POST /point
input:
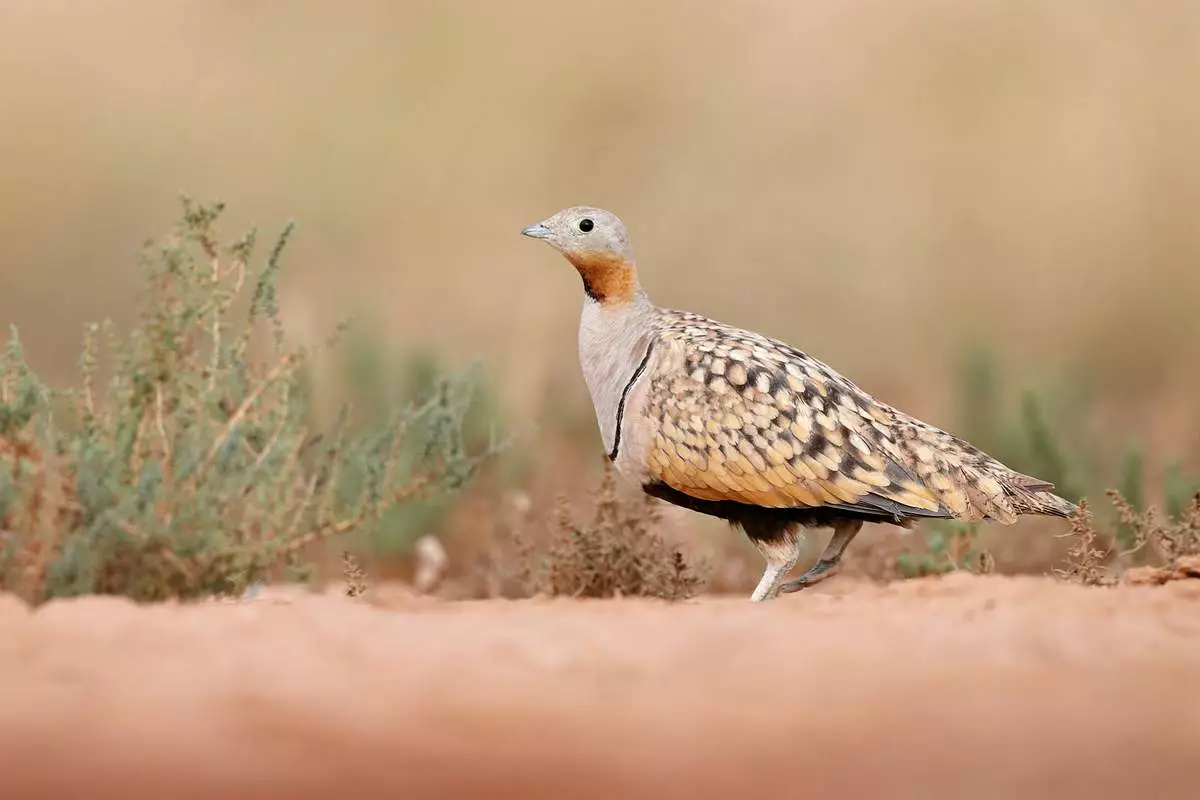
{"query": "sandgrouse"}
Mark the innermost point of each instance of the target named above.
(733, 424)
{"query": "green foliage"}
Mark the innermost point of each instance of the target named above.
(1179, 489)
(201, 466)
(1046, 436)
(1132, 488)
(950, 546)
(374, 378)
(1046, 433)
(1046, 452)
(1049, 438)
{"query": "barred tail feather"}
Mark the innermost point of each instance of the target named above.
(1043, 503)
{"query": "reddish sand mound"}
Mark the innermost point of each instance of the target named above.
(962, 687)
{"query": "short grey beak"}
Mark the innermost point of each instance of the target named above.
(538, 231)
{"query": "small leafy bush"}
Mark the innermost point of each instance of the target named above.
(375, 376)
(949, 547)
(190, 461)
(619, 552)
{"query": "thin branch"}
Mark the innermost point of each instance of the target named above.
(216, 327)
(303, 505)
(240, 414)
(410, 490)
(162, 428)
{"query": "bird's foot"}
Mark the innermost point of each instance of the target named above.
(820, 571)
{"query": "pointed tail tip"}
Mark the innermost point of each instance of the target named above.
(1061, 505)
(1046, 504)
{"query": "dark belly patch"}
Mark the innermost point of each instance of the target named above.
(758, 518)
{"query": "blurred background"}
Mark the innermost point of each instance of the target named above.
(983, 213)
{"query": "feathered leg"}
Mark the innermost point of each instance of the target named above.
(827, 564)
(780, 546)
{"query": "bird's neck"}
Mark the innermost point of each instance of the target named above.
(609, 280)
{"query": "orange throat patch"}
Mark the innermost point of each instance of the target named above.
(606, 279)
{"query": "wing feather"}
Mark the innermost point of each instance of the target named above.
(749, 419)
(741, 417)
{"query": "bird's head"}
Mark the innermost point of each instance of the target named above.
(595, 241)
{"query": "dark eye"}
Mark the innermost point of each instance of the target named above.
(586, 225)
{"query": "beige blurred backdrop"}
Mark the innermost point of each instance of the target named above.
(880, 184)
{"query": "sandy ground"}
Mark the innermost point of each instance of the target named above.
(960, 687)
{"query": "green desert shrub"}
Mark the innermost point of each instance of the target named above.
(190, 460)
(375, 376)
(1050, 432)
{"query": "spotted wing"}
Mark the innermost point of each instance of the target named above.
(749, 419)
